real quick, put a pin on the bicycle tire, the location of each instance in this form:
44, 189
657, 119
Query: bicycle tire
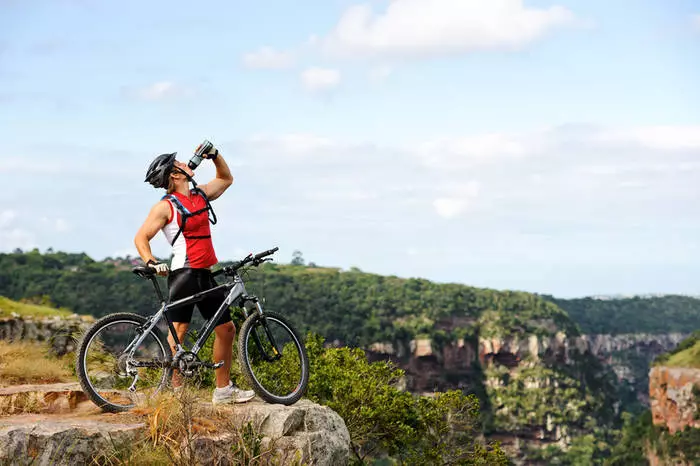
81, 370
244, 360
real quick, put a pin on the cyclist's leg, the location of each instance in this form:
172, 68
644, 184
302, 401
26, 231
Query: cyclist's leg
181, 284
224, 331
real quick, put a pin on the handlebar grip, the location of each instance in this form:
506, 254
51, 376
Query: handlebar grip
265, 253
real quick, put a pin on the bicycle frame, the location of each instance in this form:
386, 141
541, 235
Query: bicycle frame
236, 289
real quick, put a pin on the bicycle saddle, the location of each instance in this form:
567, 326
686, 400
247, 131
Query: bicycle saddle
143, 271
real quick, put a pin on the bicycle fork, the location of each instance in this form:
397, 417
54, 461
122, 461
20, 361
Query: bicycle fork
256, 338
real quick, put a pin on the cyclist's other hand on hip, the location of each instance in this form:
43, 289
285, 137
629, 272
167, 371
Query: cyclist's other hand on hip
160, 268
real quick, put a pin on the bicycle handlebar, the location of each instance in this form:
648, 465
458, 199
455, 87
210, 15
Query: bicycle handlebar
266, 253
255, 259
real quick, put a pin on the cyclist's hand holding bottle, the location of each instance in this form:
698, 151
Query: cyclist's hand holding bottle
205, 150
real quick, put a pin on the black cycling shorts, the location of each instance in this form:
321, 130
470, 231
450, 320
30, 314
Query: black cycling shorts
185, 282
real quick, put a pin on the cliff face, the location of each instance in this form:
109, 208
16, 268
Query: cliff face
675, 397
432, 366
537, 388
60, 332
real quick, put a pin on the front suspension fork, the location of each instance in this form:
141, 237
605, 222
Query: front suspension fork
263, 320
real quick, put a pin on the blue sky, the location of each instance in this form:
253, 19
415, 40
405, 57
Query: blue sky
544, 146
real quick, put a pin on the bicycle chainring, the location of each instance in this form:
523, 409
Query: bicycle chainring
187, 363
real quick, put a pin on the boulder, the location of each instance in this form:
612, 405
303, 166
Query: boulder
42, 398
305, 432
42, 440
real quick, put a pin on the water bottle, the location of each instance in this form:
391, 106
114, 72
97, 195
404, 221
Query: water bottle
202, 149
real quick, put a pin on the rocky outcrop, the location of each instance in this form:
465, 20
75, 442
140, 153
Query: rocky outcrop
313, 433
40, 440
675, 397
52, 398
305, 431
59, 332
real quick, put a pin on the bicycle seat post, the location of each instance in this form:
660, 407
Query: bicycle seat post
157, 288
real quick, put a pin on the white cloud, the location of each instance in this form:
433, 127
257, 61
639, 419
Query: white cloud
7, 217
16, 238
428, 28
12, 235
268, 58
599, 194
476, 149
291, 144
448, 207
655, 137
458, 202
59, 225
317, 79
379, 74
161, 90
562, 144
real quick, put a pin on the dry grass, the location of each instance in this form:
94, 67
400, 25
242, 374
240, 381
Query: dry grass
178, 428
21, 403
8, 306
690, 357
25, 362
175, 422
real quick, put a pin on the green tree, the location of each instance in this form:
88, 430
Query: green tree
384, 420
297, 258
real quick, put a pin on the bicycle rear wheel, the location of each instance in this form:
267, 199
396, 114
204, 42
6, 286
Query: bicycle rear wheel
101, 362
278, 373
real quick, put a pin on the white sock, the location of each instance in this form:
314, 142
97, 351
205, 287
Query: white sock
230, 384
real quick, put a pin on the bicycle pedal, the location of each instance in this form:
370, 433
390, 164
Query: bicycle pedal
214, 366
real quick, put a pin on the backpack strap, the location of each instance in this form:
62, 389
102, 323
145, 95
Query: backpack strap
185, 213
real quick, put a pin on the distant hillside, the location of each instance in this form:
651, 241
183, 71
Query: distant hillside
8, 308
655, 314
353, 307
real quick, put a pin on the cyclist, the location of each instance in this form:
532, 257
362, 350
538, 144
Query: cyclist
182, 216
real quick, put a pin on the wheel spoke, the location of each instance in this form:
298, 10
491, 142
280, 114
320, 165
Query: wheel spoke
106, 371
279, 372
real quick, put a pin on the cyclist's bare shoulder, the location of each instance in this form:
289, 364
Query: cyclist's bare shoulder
161, 210
157, 218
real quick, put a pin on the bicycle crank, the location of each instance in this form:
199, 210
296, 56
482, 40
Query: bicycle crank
188, 362
212, 365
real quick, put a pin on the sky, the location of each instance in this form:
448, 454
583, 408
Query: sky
542, 146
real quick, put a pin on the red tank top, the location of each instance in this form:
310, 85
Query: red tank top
188, 252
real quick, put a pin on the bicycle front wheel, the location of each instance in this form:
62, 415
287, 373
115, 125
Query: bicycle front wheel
273, 358
101, 364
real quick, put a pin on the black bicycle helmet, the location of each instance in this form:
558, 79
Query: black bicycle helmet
159, 170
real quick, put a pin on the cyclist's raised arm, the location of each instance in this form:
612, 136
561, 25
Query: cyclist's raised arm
157, 218
221, 182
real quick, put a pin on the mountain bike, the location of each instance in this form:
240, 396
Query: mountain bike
117, 369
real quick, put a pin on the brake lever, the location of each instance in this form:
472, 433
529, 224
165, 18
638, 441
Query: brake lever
257, 262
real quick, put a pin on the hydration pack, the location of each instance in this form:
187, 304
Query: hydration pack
185, 214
